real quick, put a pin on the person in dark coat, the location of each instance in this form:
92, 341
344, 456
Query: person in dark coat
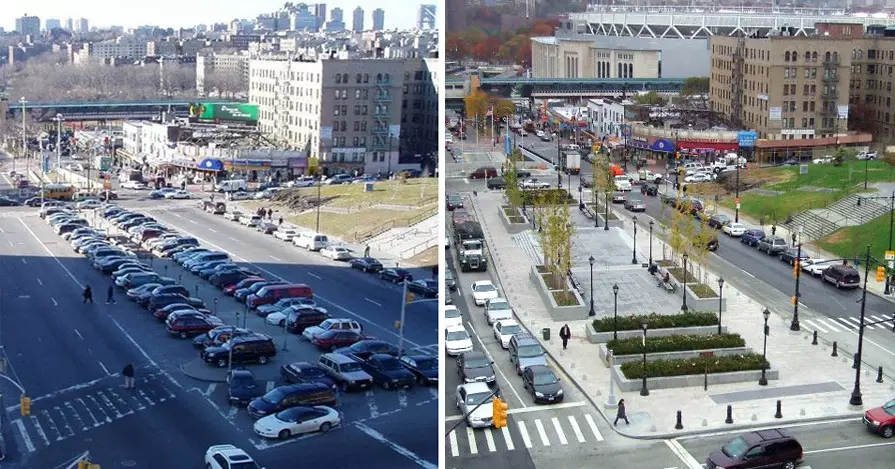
128, 372
793, 240
88, 295
280, 222
110, 295
367, 251
620, 413
565, 334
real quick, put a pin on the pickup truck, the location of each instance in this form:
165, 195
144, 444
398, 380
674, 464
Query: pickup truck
649, 176
471, 255
622, 183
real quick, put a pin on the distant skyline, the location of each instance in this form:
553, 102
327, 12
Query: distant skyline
179, 13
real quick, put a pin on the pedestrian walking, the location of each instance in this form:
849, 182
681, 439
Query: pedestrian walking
88, 295
128, 373
565, 334
269, 214
110, 295
367, 251
620, 413
774, 230
280, 222
793, 236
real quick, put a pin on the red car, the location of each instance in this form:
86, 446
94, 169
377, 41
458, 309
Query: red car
188, 325
245, 283
163, 313
881, 419
484, 173
332, 339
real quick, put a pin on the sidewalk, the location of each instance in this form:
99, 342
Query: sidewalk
805, 394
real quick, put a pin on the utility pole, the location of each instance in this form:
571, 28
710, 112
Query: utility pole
797, 272
24, 140
856, 399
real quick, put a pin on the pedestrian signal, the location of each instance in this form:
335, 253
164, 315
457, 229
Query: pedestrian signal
795, 269
409, 298
499, 412
795, 300
880, 274
25, 404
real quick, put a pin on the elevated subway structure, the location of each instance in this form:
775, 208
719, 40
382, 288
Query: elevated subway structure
577, 87
107, 110
702, 23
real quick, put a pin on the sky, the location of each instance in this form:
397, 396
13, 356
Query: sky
186, 13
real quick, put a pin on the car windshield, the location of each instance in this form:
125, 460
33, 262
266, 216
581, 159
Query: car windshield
427, 364
889, 407
451, 313
457, 335
510, 330
478, 398
736, 448
274, 396
545, 378
529, 351
391, 365
476, 362
350, 367
486, 288
498, 305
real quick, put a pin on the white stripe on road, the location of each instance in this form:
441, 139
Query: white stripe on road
593, 427
24, 261
815, 326
104, 368
78, 333
395, 447
576, 429
683, 454
566, 405
845, 321
54, 301
312, 274
29, 445
470, 438
374, 302
232, 238
452, 439
276, 258
508, 439
210, 389
542, 433
213, 230
558, 428
833, 325
524, 432
40, 431
39, 282
489, 439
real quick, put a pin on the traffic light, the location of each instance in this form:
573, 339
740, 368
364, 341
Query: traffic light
25, 404
409, 298
880, 274
795, 269
794, 300
499, 411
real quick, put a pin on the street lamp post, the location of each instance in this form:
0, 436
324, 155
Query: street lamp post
558, 176
24, 140
634, 256
608, 185
319, 183
856, 393
580, 190
651, 243
591, 312
736, 213
797, 272
684, 286
720, 301
58, 146
643, 389
615, 313
763, 381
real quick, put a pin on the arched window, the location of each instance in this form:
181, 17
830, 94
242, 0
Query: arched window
338, 78
388, 78
630, 70
358, 78
786, 56
807, 56
814, 56
620, 70
345, 78
835, 56
827, 56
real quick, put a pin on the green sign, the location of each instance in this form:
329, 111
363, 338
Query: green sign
224, 112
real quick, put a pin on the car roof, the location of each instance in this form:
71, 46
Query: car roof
508, 322
482, 282
475, 388
455, 329
764, 435
339, 358
474, 354
540, 369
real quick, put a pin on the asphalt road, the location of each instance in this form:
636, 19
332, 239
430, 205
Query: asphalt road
78, 344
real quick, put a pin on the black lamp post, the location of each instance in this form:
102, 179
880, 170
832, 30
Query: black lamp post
580, 190
763, 381
720, 301
797, 273
736, 214
634, 257
591, 312
643, 390
609, 184
651, 243
558, 176
684, 285
856, 393
615, 313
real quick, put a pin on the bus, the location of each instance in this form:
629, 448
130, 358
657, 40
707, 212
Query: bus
57, 192
102, 163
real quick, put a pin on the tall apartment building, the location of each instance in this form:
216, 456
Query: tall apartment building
28, 25
320, 12
51, 24
121, 47
378, 19
419, 116
426, 17
336, 20
233, 66
345, 113
83, 25
357, 24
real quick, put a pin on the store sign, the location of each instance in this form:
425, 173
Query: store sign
775, 114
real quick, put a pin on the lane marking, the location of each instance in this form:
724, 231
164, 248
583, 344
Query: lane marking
593, 427
848, 448
26, 438
542, 433
40, 430
683, 454
831, 324
312, 274
78, 333
276, 258
490, 358
576, 429
396, 447
374, 302
747, 273
524, 432
213, 230
452, 439
77, 282
566, 405
559, 432
24, 261
507, 438
104, 368
210, 389
39, 282
489, 440
146, 355
193, 222
232, 238
54, 301
818, 327
96, 423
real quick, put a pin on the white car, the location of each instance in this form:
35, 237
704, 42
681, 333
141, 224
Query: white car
286, 234
304, 181
622, 183
135, 185
335, 324
452, 316
815, 267
279, 318
866, 156
178, 194
535, 184
482, 291
228, 457
233, 215
296, 421
239, 195
823, 160
477, 396
698, 177
457, 341
336, 253
504, 330
250, 220
497, 309
734, 229
87, 204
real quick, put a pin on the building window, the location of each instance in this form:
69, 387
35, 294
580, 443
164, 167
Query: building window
335, 110
786, 56
345, 78
357, 79
814, 56
357, 94
338, 78
366, 78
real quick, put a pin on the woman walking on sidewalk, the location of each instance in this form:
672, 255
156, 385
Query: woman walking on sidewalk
621, 414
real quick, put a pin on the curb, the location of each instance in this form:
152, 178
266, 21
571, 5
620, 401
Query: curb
199, 378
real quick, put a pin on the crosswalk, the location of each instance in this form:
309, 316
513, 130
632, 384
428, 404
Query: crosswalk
525, 433
81, 409
826, 325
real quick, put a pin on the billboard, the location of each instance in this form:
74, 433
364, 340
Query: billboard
215, 112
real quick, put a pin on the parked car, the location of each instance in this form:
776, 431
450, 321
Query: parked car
843, 276
881, 420
388, 372
242, 387
483, 173
396, 275
345, 371
366, 348
719, 221
734, 229
305, 372
791, 255
428, 288
475, 367
773, 245
504, 330
752, 237
248, 348
187, 326
366, 264
336, 253
758, 449
297, 421
543, 384
815, 267
293, 395
618, 197
496, 183
635, 205
424, 367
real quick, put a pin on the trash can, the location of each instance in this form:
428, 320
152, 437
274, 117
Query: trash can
546, 333
368, 187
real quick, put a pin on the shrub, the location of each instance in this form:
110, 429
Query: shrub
675, 343
678, 274
694, 366
564, 298
657, 321
533, 197
702, 290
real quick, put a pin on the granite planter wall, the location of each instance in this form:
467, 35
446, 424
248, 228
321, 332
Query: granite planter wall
686, 381
619, 359
704, 304
602, 337
513, 228
557, 312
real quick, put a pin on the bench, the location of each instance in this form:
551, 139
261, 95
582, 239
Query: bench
669, 286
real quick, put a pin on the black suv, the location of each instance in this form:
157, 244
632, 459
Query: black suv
300, 319
765, 448
247, 348
498, 183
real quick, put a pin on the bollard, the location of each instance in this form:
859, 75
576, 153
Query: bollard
679, 425
854, 362
879, 375
814, 340
834, 351
197, 290
729, 418
779, 414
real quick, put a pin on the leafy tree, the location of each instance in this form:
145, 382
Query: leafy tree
558, 232
473, 35
502, 107
513, 192
486, 50
456, 48
650, 98
476, 104
313, 166
695, 86
600, 179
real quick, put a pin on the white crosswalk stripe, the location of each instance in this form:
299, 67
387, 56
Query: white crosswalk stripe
489, 439
507, 438
470, 438
593, 427
559, 432
813, 326
542, 433
576, 429
452, 440
524, 432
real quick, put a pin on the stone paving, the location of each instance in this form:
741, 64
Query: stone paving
806, 392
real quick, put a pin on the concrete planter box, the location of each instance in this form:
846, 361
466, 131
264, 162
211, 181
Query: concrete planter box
687, 381
513, 228
683, 354
617, 223
602, 337
704, 304
558, 313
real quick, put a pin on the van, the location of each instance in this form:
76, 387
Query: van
311, 241
842, 276
526, 351
206, 257
232, 185
273, 293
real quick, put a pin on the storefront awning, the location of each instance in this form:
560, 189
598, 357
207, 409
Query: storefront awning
210, 164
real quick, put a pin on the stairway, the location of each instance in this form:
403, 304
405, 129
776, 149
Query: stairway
868, 210
529, 244
821, 222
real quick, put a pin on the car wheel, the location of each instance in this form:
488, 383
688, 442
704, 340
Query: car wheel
386, 385
789, 465
325, 427
222, 363
284, 434
183, 335
282, 323
262, 360
887, 431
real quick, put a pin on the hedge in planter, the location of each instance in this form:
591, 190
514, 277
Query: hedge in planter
695, 366
533, 197
702, 290
678, 274
657, 321
675, 343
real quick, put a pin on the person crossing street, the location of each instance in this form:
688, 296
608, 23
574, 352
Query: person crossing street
110, 295
88, 295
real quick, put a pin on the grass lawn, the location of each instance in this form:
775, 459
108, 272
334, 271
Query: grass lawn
781, 207
427, 258
347, 226
842, 177
853, 240
416, 192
